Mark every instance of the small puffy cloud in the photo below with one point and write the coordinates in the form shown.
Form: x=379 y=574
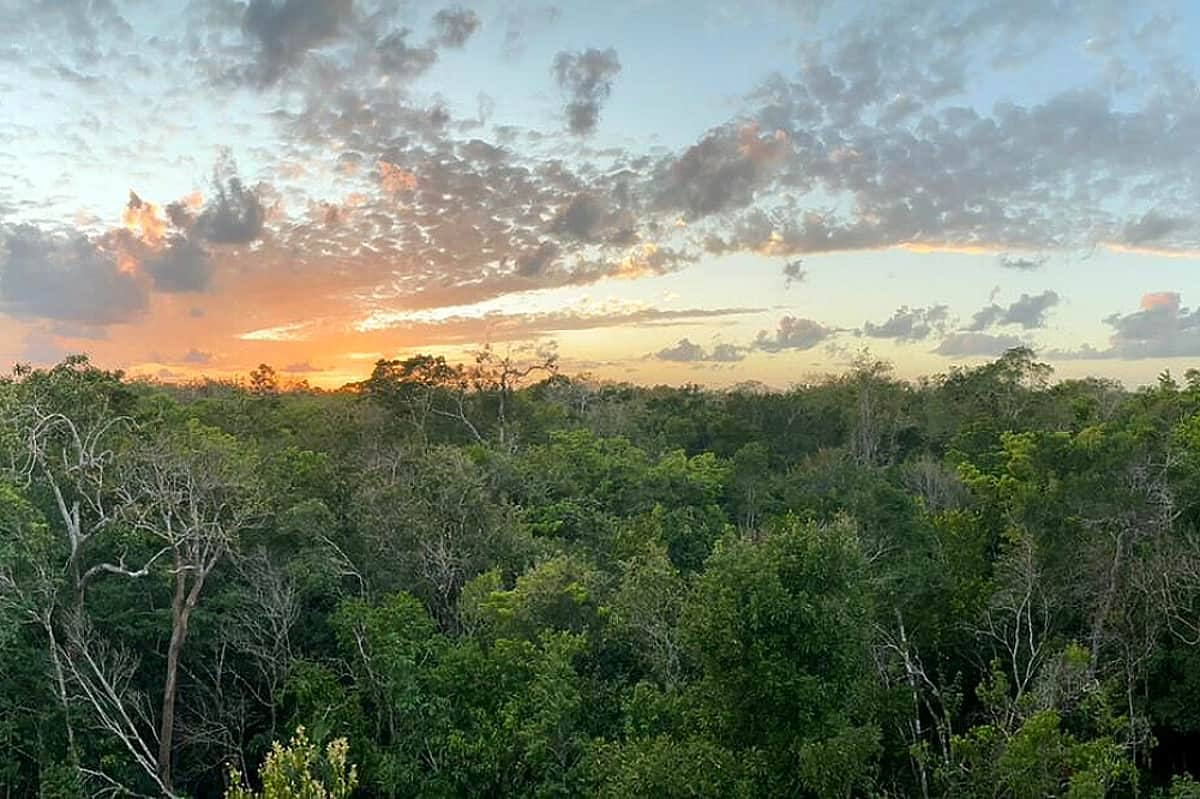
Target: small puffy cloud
x=455 y=26
x=1029 y=312
x=966 y=343
x=793 y=333
x=399 y=58
x=794 y=271
x=910 y=324
x=686 y=351
x=301 y=367
x=197 y=357
x=1022 y=263
x=586 y=80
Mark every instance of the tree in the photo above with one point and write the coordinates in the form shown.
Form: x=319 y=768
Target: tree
x=298 y=771
x=195 y=491
x=780 y=629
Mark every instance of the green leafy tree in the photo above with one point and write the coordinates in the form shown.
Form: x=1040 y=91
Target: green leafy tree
x=300 y=770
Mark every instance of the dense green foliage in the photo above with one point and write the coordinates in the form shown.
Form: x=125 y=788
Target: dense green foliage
x=495 y=581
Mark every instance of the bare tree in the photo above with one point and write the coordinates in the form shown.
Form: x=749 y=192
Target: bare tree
x=195 y=492
x=261 y=627
x=896 y=653
x=501 y=376
x=1017 y=623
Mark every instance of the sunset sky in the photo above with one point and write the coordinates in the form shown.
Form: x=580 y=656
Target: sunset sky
x=664 y=191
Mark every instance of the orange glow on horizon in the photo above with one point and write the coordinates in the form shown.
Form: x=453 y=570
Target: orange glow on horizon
x=1153 y=251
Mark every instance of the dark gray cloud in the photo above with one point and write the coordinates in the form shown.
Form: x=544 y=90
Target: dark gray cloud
x=399 y=58
x=723 y=171
x=232 y=215
x=686 y=351
x=284 y=30
x=794 y=271
x=793 y=334
x=66 y=276
x=587 y=217
x=586 y=80
x=537 y=260
x=182 y=265
x=910 y=324
x=968 y=343
x=455 y=26
x=1029 y=311
x=986 y=317
x=1153 y=227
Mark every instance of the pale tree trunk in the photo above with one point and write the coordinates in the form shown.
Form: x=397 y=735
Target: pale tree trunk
x=60 y=682
x=182 y=604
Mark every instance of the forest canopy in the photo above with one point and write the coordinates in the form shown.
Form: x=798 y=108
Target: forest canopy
x=495 y=580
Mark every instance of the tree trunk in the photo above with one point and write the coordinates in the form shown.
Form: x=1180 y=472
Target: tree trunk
x=181 y=610
x=60 y=681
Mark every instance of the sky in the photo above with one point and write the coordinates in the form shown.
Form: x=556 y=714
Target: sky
x=660 y=192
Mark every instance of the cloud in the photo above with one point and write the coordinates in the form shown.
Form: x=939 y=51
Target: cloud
x=910 y=324
x=723 y=171
x=1152 y=227
x=793 y=334
x=287 y=29
x=1163 y=328
x=586 y=217
x=181 y=266
x=685 y=351
x=1029 y=311
x=233 y=215
x=794 y=271
x=524 y=21
x=68 y=277
x=498 y=326
x=196 y=356
x=397 y=57
x=297 y=331
x=455 y=26
x=968 y=343
x=586 y=80
x=1020 y=262
x=301 y=367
